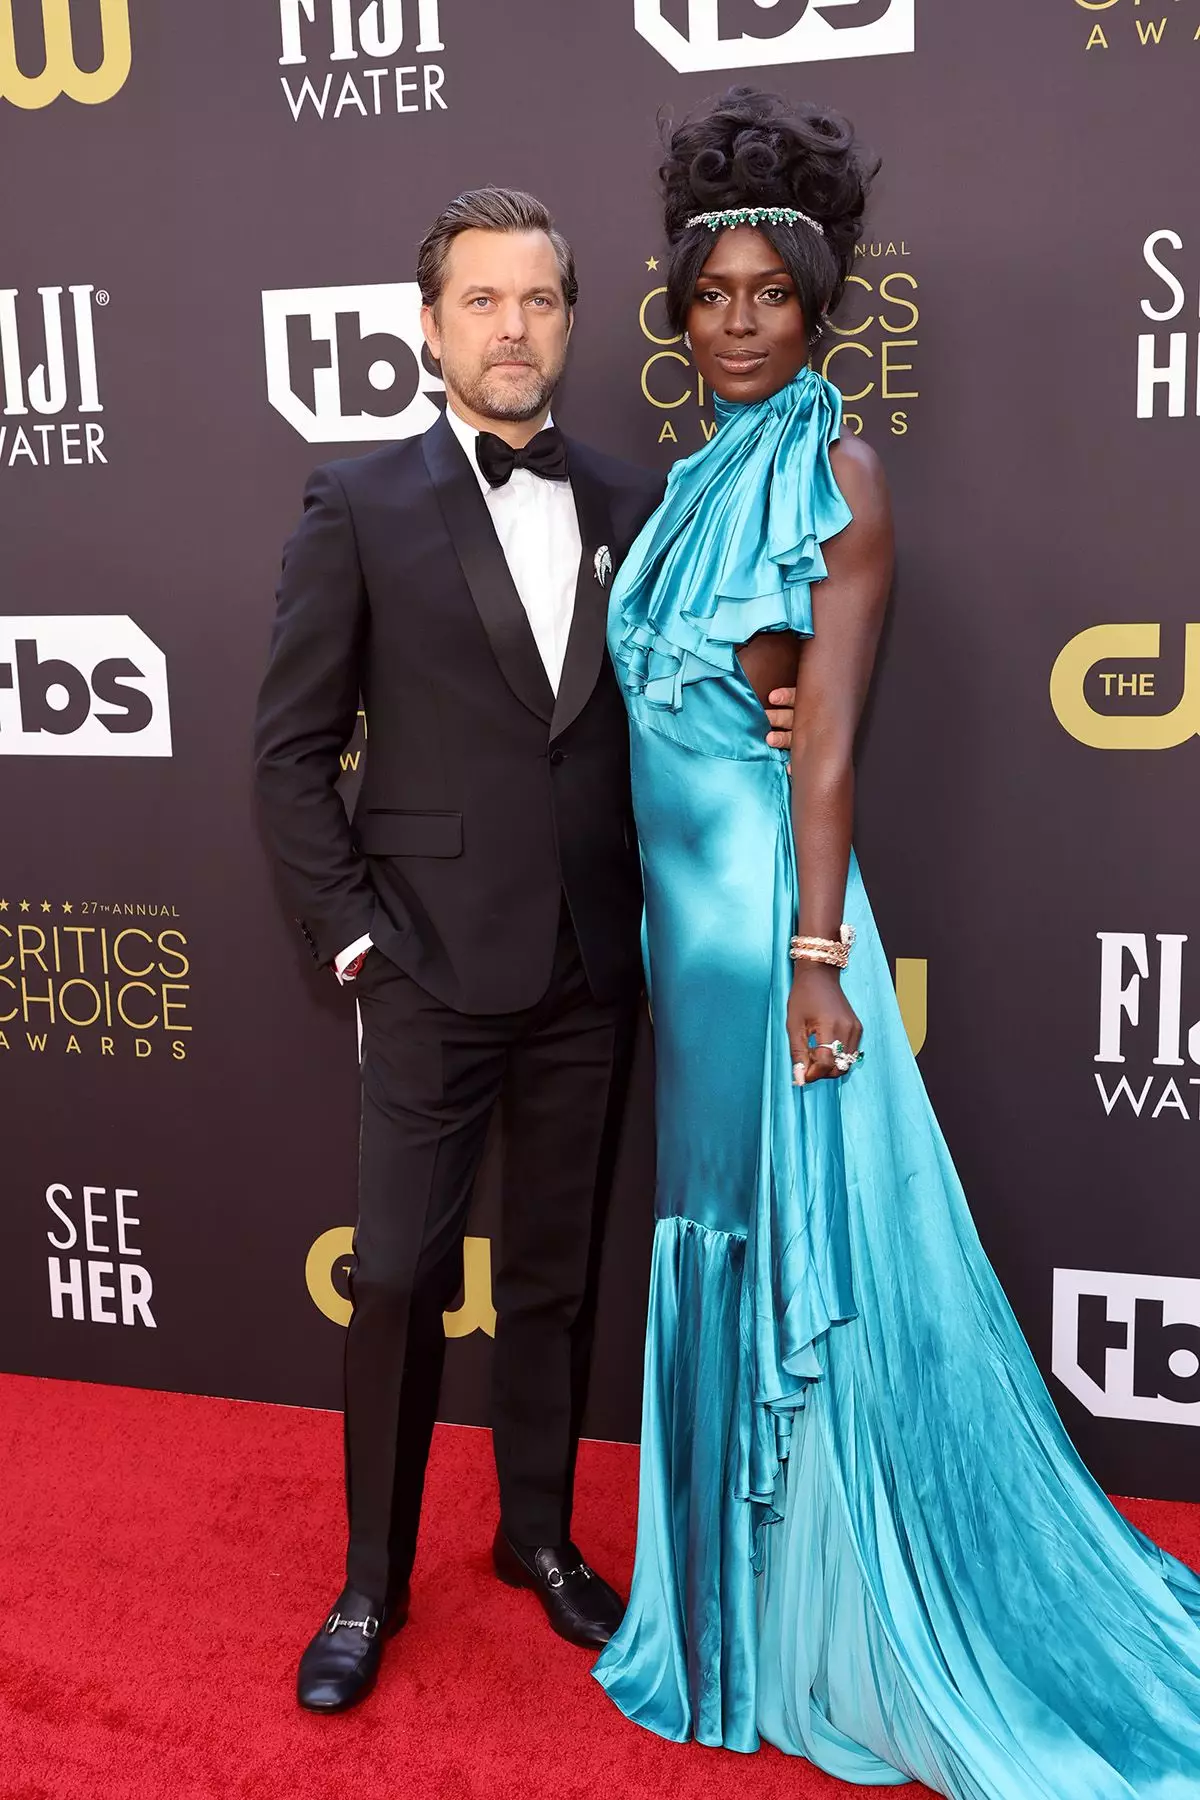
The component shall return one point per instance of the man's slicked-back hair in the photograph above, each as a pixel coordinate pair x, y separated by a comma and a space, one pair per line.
489, 209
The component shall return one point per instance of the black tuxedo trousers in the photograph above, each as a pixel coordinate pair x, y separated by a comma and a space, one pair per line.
431, 1079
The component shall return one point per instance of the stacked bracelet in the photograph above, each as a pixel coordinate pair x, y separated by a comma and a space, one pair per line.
834, 951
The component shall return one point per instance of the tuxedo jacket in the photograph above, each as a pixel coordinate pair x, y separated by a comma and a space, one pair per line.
486, 798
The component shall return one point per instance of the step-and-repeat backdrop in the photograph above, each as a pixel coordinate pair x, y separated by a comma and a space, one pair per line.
208, 225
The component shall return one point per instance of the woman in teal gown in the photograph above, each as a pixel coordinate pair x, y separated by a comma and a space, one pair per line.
863, 1532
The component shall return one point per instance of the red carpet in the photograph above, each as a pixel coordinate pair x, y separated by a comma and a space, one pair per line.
166, 1558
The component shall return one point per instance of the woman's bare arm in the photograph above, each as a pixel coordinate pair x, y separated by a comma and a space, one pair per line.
834, 674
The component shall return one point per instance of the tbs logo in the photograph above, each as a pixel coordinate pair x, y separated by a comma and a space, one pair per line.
346, 364
738, 34
82, 687
1128, 1346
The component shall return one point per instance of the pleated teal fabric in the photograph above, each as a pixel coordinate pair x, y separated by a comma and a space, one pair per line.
863, 1533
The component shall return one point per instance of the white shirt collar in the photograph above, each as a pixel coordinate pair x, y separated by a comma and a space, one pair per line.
467, 436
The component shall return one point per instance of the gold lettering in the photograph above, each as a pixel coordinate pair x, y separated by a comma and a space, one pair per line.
1123, 643
891, 368
898, 300
855, 330
62, 74
667, 434
26, 955
665, 356
912, 992
331, 1248
169, 1005
836, 350
74, 982
130, 931
1148, 31
646, 331
135, 1024
1097, 41
476, 1312
165, 950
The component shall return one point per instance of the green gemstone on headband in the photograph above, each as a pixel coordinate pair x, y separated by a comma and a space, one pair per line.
753, 215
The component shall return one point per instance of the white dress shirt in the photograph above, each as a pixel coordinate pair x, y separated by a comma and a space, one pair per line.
538, 528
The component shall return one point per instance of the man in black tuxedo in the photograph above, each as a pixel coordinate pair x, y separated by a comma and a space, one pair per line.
485, 899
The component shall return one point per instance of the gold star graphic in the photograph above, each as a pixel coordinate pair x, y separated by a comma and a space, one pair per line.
67, 907
45, 906
652, 262
3, 905
24, 906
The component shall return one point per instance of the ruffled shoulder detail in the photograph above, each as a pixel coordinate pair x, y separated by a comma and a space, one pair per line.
735, 547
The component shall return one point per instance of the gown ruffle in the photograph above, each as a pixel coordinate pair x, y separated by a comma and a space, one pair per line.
863, 1531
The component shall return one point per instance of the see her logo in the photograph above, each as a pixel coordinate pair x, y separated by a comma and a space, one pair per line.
696, 35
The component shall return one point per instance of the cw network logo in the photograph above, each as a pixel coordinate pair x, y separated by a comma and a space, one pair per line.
735, 34
53, 386
349, 364
1119, 707
60, 72
1128, 1346
82, 687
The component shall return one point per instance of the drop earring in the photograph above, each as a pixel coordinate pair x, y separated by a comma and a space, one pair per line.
687, 340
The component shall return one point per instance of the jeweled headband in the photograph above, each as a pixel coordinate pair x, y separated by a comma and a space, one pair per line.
753, 215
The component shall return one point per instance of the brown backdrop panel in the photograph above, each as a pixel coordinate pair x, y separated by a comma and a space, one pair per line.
1025, 852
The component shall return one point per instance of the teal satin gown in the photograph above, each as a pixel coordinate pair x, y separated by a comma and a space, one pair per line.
863, 1533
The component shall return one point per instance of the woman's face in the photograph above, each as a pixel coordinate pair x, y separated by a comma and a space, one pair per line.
749, 334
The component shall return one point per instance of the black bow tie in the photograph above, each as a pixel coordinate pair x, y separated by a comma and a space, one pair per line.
544, 455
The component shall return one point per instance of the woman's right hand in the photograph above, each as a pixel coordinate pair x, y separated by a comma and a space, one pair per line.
818, 1010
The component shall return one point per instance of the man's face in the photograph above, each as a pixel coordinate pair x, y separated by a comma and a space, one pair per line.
500, 329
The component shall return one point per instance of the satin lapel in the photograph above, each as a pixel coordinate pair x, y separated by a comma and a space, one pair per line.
585, 645
482, 560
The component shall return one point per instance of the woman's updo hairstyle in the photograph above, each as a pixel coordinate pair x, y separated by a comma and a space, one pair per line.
755, 149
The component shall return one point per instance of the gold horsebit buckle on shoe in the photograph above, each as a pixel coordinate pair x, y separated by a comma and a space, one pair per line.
368, 1626
556, 1577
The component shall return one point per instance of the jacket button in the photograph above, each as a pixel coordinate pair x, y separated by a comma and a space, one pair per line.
557, 756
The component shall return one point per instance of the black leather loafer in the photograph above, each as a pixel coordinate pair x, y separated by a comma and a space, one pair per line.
340, 1665
579, 1605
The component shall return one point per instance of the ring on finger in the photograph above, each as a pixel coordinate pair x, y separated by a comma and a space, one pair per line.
843, 1060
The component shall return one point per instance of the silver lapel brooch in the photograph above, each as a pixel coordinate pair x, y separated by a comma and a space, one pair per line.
603, 565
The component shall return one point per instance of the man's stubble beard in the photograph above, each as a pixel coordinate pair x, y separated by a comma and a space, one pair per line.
493, 396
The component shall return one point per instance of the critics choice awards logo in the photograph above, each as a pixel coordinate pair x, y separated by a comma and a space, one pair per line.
1139, 24
1128, 1346
51, 56
105, 1281
871, 353
737, 34
93, 978
48, 377
342, 59
349, 364
81, 687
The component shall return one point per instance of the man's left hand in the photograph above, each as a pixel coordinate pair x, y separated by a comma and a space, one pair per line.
781, 710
